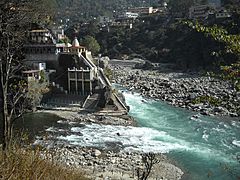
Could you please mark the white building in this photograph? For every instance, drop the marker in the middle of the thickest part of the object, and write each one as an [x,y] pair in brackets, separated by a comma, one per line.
[141,10]
[131,15]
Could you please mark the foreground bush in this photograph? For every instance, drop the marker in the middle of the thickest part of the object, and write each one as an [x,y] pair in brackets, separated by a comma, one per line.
[29,164]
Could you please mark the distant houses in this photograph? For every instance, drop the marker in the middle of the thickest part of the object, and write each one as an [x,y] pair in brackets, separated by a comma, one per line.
[203,12]
[129,16]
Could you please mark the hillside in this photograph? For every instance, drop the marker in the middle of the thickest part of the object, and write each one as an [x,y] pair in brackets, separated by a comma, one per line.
[82,10]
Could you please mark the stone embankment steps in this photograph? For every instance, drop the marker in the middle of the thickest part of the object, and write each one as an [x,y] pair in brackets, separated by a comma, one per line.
[104,78]
[120,106]
[91,102]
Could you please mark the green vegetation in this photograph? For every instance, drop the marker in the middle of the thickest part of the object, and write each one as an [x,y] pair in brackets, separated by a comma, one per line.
[91,44]
[232,73]
[207,99]
[108,73]
[231,43]
[42,77]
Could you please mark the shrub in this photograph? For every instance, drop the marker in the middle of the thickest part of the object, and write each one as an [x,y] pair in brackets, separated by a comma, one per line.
[207,99]
[27,163]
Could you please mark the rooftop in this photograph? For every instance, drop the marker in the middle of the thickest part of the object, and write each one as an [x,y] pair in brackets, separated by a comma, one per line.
[39,30]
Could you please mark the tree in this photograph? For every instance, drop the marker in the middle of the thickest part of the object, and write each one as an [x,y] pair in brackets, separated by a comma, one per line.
[232,46]
[15,19]
[91,44]
[180,6]
[148,160]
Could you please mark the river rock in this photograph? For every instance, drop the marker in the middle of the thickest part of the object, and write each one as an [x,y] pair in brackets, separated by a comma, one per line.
[96,153]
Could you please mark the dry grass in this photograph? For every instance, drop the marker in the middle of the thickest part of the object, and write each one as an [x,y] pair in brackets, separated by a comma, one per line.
[28,164]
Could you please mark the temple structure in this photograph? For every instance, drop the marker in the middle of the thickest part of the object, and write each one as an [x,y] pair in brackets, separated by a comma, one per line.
[75,72]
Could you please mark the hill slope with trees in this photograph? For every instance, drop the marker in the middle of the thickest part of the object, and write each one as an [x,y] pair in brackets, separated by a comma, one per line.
[82,10]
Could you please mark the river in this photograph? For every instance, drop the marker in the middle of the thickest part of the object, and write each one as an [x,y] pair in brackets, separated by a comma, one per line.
[204,147]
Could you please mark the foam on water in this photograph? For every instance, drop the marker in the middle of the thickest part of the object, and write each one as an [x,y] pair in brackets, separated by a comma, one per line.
[131,138]
[140,139]
[205,135]
[236,143]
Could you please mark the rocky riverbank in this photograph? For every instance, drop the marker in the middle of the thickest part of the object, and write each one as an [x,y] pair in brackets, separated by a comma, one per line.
[100,164]
[206,95]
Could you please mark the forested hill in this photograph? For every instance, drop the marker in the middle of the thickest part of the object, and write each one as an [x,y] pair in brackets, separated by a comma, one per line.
[86,9]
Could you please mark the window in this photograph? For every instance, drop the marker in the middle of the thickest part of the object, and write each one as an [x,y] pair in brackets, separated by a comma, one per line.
[79,75]
[86,75]
[72,75]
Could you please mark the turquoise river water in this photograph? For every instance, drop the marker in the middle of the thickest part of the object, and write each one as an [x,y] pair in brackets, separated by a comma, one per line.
[205,147]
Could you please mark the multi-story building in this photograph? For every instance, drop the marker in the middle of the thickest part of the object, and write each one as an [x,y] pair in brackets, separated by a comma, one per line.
[76,80]
[41,47]
[141,10]
[222,14]
[40,36]
[202,11]
[82,73]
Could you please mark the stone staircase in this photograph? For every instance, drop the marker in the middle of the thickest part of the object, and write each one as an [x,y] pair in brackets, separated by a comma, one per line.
[92,102]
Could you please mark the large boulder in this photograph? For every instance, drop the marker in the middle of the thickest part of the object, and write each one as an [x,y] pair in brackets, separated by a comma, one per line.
[96,153]
[146,65]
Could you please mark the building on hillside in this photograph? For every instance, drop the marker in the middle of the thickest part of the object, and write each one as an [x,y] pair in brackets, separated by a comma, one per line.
[222,14]
[31,75]
[41,36]
[130,15]
[202,11]
[40,48]
[141,10]
[58,33]
[79,75]
[74,81]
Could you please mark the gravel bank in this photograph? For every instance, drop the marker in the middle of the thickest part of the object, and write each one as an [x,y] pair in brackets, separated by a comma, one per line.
[206,95]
